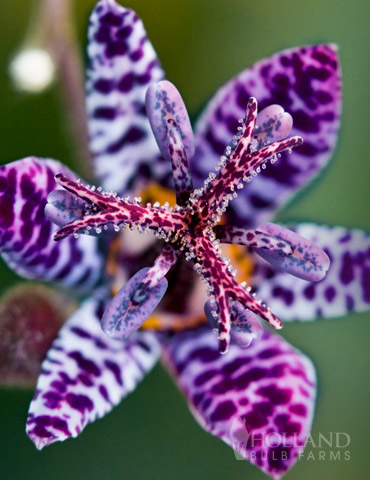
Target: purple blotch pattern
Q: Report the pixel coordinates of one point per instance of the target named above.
(84, 375)
(88, 378)
(122, 65)
(26, 242)
(345, 288)
(306, 82)
(247, 396)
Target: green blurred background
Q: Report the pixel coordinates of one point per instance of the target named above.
(151, 435)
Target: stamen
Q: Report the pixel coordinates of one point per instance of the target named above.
(252, 238)
(118, 212)
(180, 165)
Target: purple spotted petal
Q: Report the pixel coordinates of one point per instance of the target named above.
(132, 305)
(241, 162)
(345, 288)
(122, 64)
(164, 104)
(84, 375)
(248, 397)
(308, 261)
(306, 83)
(26, 234)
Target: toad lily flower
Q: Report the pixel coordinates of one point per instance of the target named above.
(190, 227)
(249, 393)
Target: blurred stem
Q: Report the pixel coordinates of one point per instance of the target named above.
(61, 41)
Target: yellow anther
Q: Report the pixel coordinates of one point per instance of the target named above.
(172, 322)
(241, 259)
(153, 192)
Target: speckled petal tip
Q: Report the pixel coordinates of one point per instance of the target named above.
(132, 305)
(272, 124)
(63, 207)
(245, 325)
(308, 261)
(137, 300)
(164, 104)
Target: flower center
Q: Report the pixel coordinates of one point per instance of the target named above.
(181, 307)
(192, 228)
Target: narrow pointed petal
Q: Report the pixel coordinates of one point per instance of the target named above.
(249, 396)
(345, 288)
(252, 238)
(26, 233)
(306, 83)
(85, 375)
(308, 262)
(122, 64)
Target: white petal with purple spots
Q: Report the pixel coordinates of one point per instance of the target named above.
(305, 81)
(122, 65)
(26, 242)
(248, 395)
(345, 288)
(85, 374)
